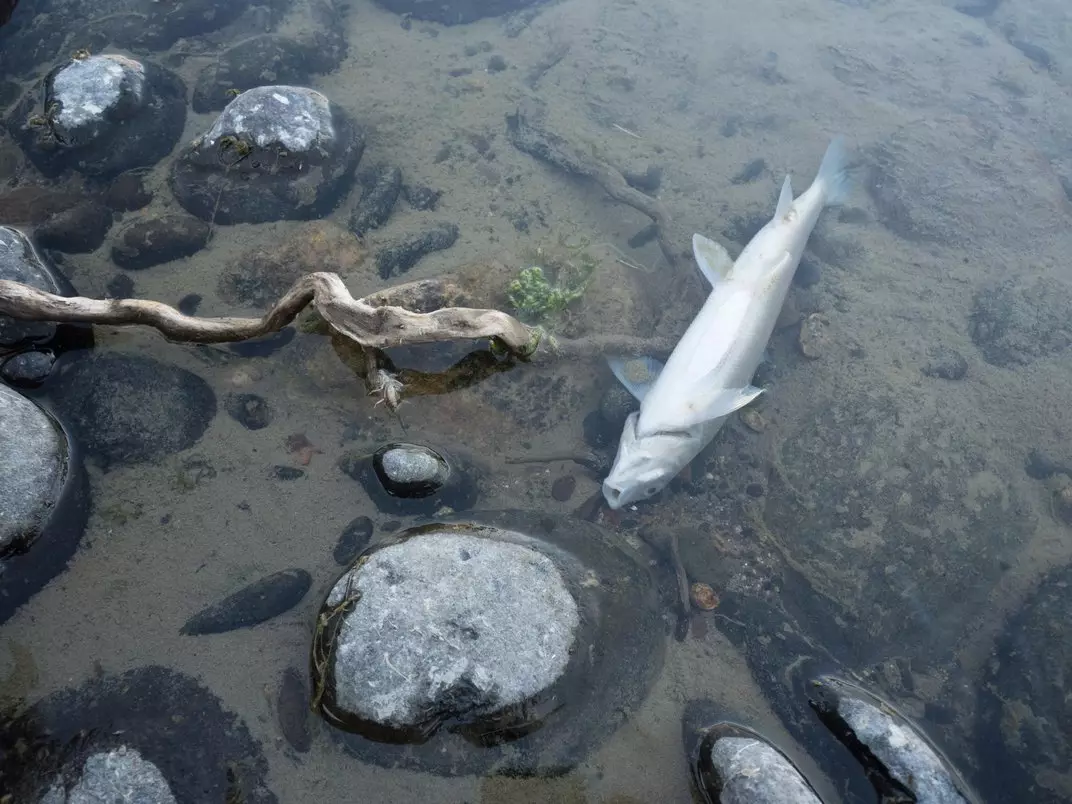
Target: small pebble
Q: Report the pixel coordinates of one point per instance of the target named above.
(249, 410)
(562, 489)
(753, 420)
(703, 597)
(189, 303)
(814, 339)
(287, 472)
(496, 64)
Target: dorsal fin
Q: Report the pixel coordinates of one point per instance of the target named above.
(785, 199)
(714, 261)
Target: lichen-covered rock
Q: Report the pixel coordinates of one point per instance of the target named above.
(487, 641)
(128, 409)
(101, 115)
(274, 153)
(149, 735)
(455, 12)
(268, 58)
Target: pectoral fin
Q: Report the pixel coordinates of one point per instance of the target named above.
(637, 374)
(716, 403)
(714, 261)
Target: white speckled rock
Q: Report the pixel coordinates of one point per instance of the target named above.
(450, 624)
(752, 772)
(275, 152)
(91, 90)
(121, 776)
(33, 459)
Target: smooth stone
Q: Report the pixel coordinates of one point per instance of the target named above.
(95, 736)
(78, 230)
(274, 153)
(501, 632)
(252, 605)
(352, 541)
(20, 262)
(129, 409)
(118, 776)
(413, 479)
(408, 470)
(148, 241)
(752, 772)
(102, 115)
(292, 707)
(128, 192)
(399, 257)
(28, 369)
(33, 468)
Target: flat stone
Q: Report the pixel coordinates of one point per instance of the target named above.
(120, 776)
(33, 464)
(500, 631)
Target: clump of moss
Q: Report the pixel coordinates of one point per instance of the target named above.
(538, 298)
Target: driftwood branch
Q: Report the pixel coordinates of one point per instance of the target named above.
(377, 326)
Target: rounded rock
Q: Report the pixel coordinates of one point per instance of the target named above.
(102, 115)
(507, 637)
(274, 153)
(410, 470)
(20, 262)
(413, 479)
(149, 241)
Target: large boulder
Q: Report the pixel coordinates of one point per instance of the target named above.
(101, 115)
(505, 642)
(274, 153)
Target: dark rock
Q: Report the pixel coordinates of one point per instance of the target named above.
(274, 153)
(946, 364)
(42, 500)
(149, 241)
(750, 172)
(249, 410)
(292, 706)
(647, 182)
(31, 204)
(189, 303)
(265, 345)
(352, 541)
(396, 259)
(287, 472)
(78, 230)
(496, 64)
(499, 656)
(421, 197)
(1021, 320)
(127, 192)
(1041, 464)
(252, 605)
(454, 12)
(562, 489)
(1036, 53)
(120, 286)
(102, 115)
(380, 188)
(644, 236)
(615, 406)
(152, 728)
(27, 369)
(413, 479)
(267, 59)
(20, 262)
(128, 409)
(808, 273)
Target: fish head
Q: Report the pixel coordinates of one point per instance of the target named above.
(645, 464)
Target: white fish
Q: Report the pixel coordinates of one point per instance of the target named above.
(709, 374)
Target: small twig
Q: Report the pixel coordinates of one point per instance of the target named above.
(627, 131)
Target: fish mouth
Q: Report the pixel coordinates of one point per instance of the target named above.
(613, 495)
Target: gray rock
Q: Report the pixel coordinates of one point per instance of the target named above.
(501, 632)
(151, 240)
(399, 257)
(455, 12)
(1022, 320)
(410, 470)
(252, 605)
(274, 153)
(102, 115)
(33, 468)
(414, 479)
(946, 364)
(752, 772)
(120, 776)
(20, 262)
(27, 369)
(892, 749)
(381, 186)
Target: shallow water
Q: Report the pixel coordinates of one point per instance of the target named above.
(881, 525)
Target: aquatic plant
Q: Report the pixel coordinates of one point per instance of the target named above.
(537, 298)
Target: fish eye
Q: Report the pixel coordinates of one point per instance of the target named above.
(652, 490)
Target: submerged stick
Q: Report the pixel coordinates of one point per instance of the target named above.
(379, 326)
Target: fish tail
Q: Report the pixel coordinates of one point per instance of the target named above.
(833, 177)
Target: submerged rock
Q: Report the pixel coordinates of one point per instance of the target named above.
(461, 636)
(249, 410)
(149, 241)
(352, 541)
(274, 153)
(399, 257)
(268, 57)
(897, 756)
(77, 230)
(102, 115)
(381, 187)
(252, 605)
(413, 479)
(946, 364)
(736, 766)
(455, 12)
(1021, 320)
(128, 409)
(27, 369)
(20, 262)
(149, 735)
(292, 706)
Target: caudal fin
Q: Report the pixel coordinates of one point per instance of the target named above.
(833, 176)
